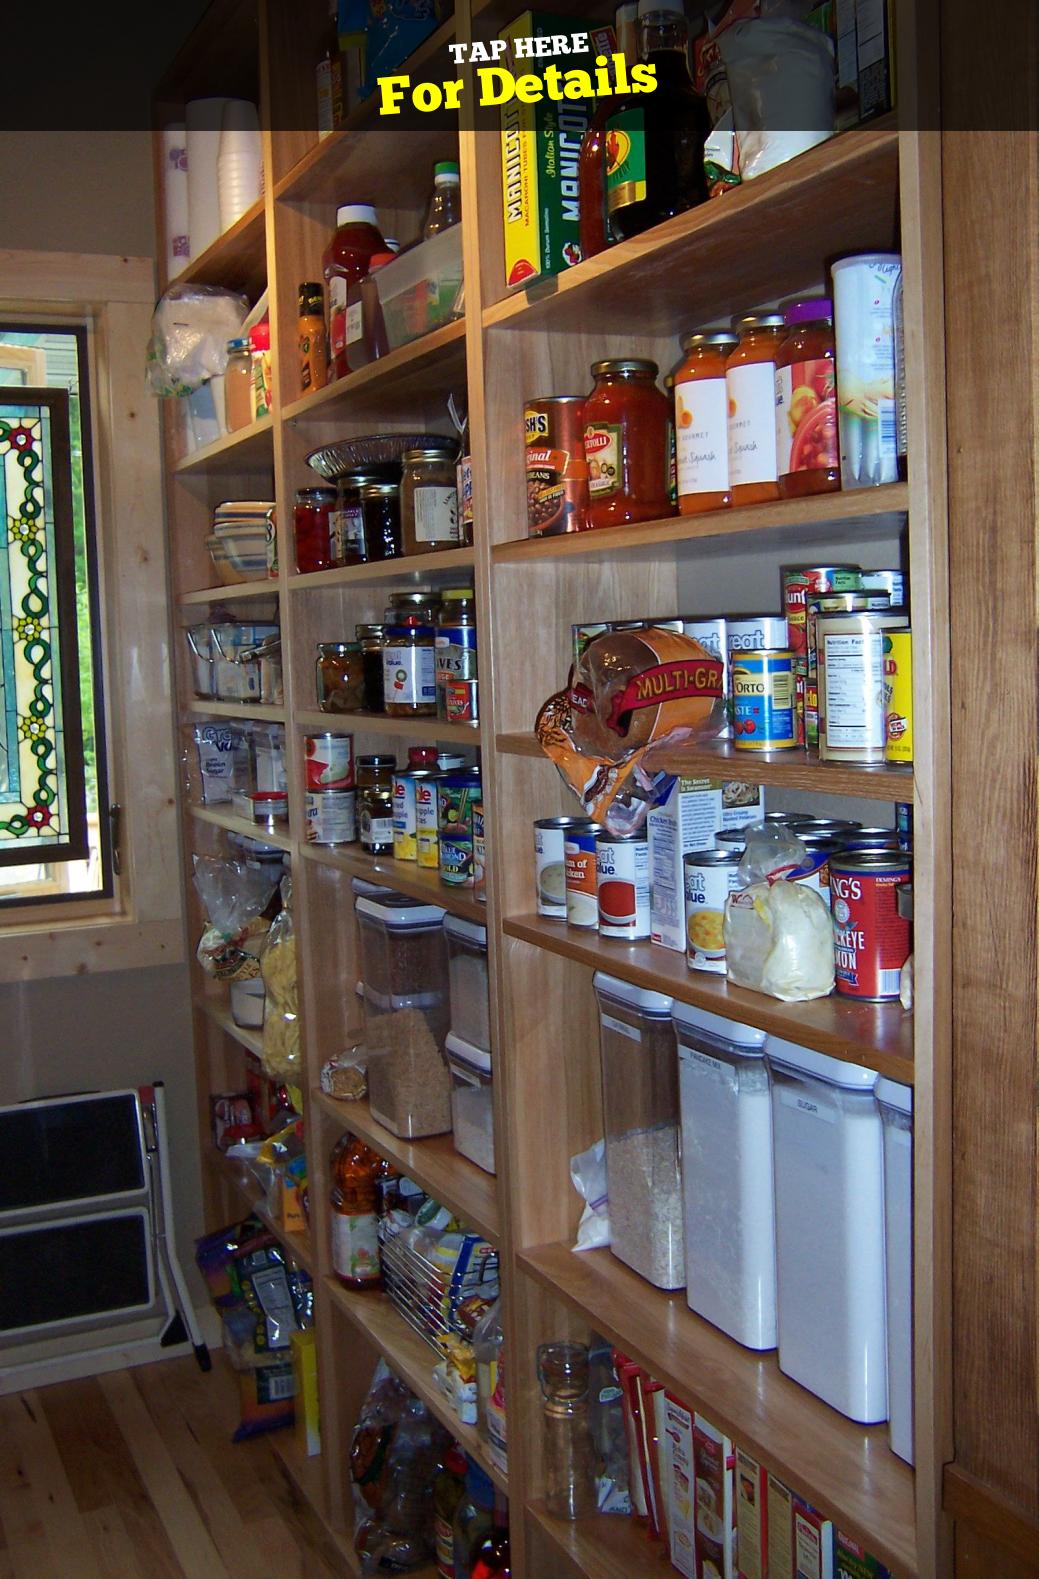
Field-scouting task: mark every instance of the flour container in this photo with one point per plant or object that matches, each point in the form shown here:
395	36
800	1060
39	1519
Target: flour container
829	1179
730	1241
895	1102
472	1101
641	1120
467	969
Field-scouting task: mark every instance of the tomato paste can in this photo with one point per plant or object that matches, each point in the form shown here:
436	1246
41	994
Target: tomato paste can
622	885
557	471
852	718
710	876
582	901
871	940
329	761
763	701
427	837
801	582
331	816
898	696
550	836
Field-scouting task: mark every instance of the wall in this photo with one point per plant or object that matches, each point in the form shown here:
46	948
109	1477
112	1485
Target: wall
84	191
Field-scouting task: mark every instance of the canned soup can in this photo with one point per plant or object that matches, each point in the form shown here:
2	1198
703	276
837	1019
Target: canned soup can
329	760
763	698
550	835
710	876
871	940
582	901
852	717
622	885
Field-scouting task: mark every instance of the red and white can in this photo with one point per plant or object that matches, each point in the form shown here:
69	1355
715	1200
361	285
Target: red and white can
622	885
582	905
871	940
329	761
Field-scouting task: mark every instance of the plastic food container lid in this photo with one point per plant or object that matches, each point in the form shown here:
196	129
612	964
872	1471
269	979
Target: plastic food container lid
654	1003
361	885
397	910
893	1094
860	258
356	214
471	931
805	1061
385	1001
461	1052
747	1038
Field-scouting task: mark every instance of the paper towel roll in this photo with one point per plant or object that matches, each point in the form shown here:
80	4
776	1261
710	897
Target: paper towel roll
175	191
204	118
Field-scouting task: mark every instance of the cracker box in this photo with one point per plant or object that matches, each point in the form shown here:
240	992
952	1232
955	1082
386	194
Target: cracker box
693	813
852	1561
751	1521
813	1542
304	1370
780	1519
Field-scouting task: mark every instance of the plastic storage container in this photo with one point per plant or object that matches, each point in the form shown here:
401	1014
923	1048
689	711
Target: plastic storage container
641	1120
472	1104
895	1102
409	1087
829	1175
403	950
730	1221
247	1001
418	290
467	967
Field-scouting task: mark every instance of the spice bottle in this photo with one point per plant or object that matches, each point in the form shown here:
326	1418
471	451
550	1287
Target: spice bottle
260	351
375	803
238	385
750	384
313	348
371	640
474	1519
807	446
626	443
445	205
429	500
569	1451
380	507
457	697
355	1225
409	672
448	1491
701	423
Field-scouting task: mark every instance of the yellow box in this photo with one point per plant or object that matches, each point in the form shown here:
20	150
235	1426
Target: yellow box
292	1218
304	1369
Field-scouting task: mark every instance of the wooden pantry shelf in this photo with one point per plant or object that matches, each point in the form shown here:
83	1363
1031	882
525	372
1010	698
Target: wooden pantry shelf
249	448
877	1035
236	260
445	566
404	877
422	730
220	1014
604	1546
412	1359
434	1163
721	257
872	513
239	710
888	782
430	365
298	1245
231	824
848	1471
235	593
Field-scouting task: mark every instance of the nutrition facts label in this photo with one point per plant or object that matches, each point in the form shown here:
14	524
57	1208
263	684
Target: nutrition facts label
854	694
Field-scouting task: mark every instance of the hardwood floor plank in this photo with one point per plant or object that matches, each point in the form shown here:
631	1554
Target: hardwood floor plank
23	1420
22	1512
117	1555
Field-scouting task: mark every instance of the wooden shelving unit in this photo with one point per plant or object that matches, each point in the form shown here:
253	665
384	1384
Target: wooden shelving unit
866	190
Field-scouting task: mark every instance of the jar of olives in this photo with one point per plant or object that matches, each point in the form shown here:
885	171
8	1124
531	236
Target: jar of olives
340	676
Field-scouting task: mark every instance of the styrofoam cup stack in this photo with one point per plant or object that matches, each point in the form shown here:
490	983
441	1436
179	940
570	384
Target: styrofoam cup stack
204	118
175	198
239	161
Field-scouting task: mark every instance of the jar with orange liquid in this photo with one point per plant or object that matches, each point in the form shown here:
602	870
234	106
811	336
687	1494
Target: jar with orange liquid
701	423
750	382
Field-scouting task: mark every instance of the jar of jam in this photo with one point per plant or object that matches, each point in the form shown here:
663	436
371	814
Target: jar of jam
702	423
457	697
626	444
371	639
750	383
807	447
429	500
340	677
409	671
413	608
312	527
375	803
380	508
348	519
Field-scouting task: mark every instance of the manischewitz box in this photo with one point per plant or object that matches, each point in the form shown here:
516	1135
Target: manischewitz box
540	150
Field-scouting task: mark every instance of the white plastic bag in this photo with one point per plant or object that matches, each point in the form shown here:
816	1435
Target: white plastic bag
588	1172
191	326
778	934
781	83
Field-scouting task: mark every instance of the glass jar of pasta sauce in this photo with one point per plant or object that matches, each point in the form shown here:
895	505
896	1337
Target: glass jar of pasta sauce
626	443
702	423
808	459
750	381
312	528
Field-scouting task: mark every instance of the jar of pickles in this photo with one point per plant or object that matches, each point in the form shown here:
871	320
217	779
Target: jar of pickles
412	608
429	499
626	443
340	676
380	508
371	639
409	671
312	527
375	803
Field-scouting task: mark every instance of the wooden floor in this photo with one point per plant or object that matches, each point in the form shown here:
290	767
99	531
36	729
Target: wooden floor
134	1476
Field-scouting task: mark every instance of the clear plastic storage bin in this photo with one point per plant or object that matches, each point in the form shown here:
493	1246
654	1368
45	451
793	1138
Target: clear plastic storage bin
641	1120
418	291
730	1223
472	1101
895	1102
467	968
403	950
829	1173
409	1087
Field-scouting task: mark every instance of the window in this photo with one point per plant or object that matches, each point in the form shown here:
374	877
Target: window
54	838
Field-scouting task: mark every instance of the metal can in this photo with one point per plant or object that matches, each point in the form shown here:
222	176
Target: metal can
583	635
733	839
898	696
456	795
550	834
814	870
710	876
622	885
763	701
329	761
825	827
557	471
890	581
828	603
713	635
801	582
479	852
405	811
871	940
427	836
582	903
851	684
904	824
757	633
331	816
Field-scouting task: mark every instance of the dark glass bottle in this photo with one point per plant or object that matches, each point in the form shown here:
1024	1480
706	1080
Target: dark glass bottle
655	141
491	1559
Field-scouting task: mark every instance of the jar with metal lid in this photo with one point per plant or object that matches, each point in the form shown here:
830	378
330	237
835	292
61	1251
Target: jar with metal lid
370	638
348	518
312	528
375	802
340	676
702	423
413	608
409	671
750	383
457	697
380	508
626	443
429	500
807	446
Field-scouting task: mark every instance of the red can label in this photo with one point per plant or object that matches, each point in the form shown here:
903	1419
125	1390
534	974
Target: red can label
871	940
329	761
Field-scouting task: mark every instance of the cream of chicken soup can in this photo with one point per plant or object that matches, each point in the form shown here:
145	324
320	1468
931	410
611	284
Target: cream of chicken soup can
710	877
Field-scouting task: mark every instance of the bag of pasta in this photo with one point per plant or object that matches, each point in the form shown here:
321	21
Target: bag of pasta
235	895
282	1056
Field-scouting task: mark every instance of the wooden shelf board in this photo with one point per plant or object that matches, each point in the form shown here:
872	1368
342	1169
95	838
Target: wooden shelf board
220	1014
877	1035
785	769
297	1245
422	730
251	447
445	565
720	257
406	877
434	1163
846	1470
412	1359
238	590
239	710
236	260
426	366
605	1546
230	824
872	512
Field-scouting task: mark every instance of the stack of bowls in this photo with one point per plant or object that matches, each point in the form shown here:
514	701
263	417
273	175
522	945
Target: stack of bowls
238	546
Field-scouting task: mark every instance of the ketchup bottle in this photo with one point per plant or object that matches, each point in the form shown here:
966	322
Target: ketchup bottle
346	262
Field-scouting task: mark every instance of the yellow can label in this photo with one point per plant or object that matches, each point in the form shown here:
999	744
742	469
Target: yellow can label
898	696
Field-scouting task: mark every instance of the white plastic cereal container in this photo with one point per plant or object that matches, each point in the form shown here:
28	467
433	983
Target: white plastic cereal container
467	968
641	1120
472	1101
896	1111
829	1180
730	1230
